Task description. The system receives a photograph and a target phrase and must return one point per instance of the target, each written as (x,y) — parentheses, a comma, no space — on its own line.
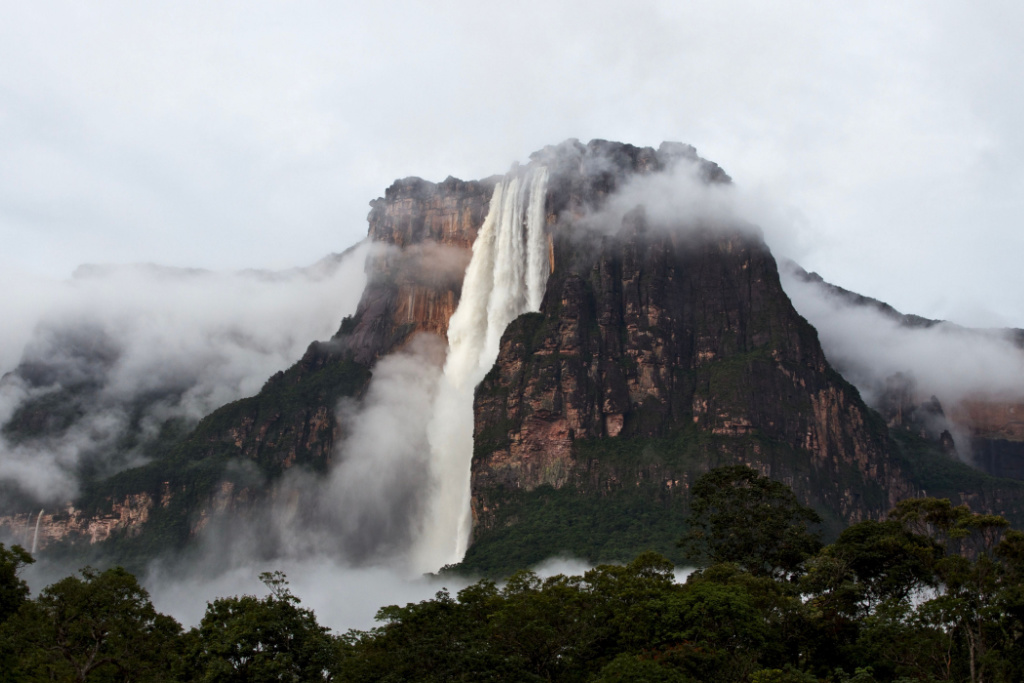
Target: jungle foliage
(934,592)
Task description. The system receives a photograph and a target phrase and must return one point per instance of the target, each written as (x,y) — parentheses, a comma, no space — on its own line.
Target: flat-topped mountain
(644,336)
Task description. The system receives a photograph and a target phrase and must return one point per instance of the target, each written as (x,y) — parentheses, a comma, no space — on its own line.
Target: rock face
(988,425)
(996,433)
(424,233)
(427,232)
(656,334)
(42,528)
(652,332)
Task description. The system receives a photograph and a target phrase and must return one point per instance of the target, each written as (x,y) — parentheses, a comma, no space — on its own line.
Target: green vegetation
(97,627)
(48,414)
(186,468)
(933,593)
(754,522)
(633,497)
(13,590)
(607,528)
(942,475)
(244,638)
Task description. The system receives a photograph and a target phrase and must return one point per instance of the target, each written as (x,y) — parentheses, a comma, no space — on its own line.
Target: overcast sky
(253,134)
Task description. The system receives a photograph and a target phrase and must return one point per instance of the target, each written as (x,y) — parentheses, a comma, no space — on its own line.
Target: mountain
(650,339)
(940,380)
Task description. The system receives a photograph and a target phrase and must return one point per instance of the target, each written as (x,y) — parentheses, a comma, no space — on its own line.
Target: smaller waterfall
(35,536)
(506,277)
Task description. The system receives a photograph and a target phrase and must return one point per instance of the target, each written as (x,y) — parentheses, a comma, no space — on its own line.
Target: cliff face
(423,233)
(662,350)
(996,433)
(980,423)
(42,528)
(427,232)
(649,334)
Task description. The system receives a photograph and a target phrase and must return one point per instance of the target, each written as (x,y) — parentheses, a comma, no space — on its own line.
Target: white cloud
(944,360)
(202,135)
(191,340)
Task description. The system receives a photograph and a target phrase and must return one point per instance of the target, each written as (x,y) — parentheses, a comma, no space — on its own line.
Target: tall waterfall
(506,277)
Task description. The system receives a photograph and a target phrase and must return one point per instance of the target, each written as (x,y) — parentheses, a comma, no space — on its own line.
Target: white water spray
(506,277)
(35,536)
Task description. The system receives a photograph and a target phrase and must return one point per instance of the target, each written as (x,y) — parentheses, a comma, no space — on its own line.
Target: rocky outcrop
(42,528)
(990,419)
(426,232)
(665,347)
(423,234)
(995,430)
(988,424)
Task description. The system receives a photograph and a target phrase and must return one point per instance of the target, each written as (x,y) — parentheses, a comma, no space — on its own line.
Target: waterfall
(506,277)
(35,536)
(537,264)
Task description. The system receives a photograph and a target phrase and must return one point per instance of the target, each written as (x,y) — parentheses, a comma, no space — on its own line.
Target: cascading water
(506,277)
(537,264)
(35,536)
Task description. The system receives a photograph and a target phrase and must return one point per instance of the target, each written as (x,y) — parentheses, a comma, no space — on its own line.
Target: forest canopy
(934,592)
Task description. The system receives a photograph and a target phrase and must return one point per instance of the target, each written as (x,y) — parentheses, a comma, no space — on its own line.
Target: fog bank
(117,351)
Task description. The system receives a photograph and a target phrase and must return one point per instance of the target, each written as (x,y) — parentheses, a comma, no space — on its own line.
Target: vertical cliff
(662,349)
(958,387)
(425,232)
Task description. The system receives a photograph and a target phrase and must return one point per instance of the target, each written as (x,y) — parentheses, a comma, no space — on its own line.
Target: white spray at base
(506,277)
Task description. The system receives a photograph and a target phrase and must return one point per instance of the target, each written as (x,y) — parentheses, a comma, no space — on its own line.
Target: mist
(97,364)
(692,197)
(872,345)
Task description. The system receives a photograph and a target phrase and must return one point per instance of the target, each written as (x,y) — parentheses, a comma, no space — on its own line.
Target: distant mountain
(927,376)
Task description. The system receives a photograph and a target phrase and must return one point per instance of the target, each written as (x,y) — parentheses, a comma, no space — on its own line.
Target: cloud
(118,351)
(869,344)
(370,505)
(692,197)
(343,597)
(423,263)
(198,135)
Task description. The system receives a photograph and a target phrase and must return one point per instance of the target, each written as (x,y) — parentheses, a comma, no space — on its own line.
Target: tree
(101,626)
(442,639)
(871,562)
(633,604)
(244,639)
(739,516)
(628,668)
(13,590)
(545,626)
(13,594)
